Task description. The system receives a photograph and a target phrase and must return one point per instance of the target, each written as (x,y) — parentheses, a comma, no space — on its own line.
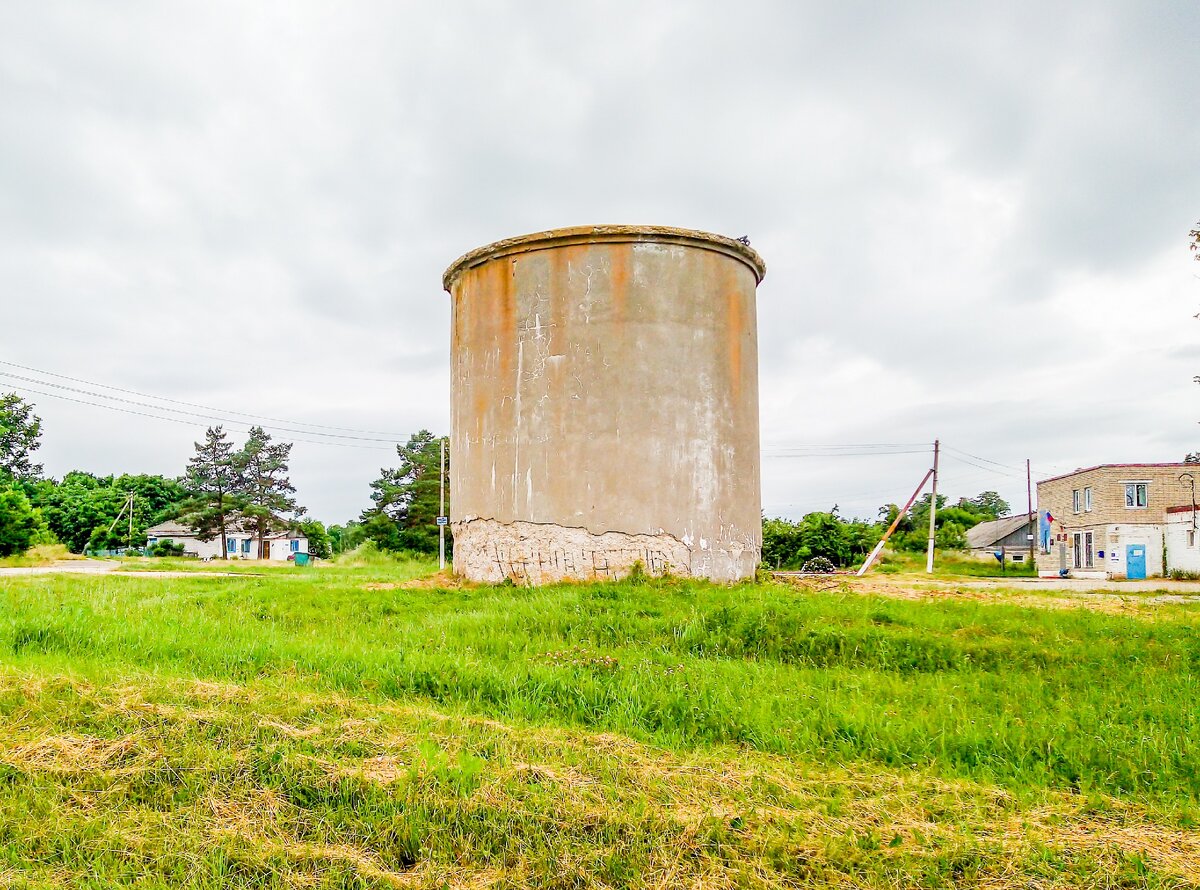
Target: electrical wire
(179,420)
(843,453)
(190,404)
(97,395)
(984,459)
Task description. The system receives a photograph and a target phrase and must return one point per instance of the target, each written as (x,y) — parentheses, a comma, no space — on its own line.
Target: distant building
(1008,533)
(241,544)
(1110,521)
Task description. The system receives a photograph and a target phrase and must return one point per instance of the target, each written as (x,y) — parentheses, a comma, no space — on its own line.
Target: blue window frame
(295,546)
(246,546)
(231,545)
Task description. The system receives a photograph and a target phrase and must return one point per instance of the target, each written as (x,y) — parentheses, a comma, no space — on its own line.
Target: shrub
(166,548)
(819,565)
(20,524)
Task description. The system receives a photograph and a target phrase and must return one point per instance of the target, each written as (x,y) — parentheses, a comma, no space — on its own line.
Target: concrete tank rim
(610,234)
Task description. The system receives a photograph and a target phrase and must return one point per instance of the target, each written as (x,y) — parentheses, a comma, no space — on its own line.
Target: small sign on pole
(443,520)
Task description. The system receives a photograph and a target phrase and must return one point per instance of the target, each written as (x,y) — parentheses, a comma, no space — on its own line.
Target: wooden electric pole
(932,510)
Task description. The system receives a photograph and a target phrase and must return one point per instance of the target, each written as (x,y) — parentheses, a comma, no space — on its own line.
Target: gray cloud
(973,218)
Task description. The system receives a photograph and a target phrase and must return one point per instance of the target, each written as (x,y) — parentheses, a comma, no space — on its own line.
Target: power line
(181,411)
(189,423)
(843,453)
(190,404)
(979,466)
(855,445)
(985,459)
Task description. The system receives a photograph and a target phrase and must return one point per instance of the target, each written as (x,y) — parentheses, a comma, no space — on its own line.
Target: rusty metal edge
(605,234)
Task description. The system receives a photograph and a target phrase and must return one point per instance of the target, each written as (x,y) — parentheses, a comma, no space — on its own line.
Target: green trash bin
(301,559)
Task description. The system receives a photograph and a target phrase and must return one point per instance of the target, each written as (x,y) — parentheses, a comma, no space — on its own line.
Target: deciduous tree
(20,431)
(20,523)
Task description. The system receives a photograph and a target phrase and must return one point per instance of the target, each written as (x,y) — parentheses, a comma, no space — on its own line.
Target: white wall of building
(243,546)
(1183,542)
(1121,536)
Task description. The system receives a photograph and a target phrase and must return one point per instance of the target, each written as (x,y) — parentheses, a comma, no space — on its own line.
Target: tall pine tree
(215,488)
(404,514)
(267,493)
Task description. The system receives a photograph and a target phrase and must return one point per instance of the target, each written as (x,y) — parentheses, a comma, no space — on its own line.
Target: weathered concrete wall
(605,402)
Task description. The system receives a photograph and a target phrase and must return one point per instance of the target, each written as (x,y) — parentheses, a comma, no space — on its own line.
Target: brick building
(1109,521)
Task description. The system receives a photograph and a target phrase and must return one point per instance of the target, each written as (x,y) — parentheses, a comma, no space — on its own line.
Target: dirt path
(1055,593)
(104,567)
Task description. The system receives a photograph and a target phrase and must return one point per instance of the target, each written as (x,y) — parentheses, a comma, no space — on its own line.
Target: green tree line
(789,544)
(221,485)
(225,484)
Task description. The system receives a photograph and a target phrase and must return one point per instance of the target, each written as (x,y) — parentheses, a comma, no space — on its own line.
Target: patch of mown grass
(1020,696)
(952,564)
(41,555)
(1020,706)
(134,780)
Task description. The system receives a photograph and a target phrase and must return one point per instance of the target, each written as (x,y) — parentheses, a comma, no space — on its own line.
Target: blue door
(1135,562)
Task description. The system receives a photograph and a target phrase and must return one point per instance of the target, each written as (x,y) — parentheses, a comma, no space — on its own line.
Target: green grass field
(348,726)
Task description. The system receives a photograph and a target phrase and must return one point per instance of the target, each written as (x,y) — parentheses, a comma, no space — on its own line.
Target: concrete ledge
(605,234)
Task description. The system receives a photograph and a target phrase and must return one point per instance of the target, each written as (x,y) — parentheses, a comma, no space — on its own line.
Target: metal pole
(131,520)
(1032,518)
(932,511)
(442,511)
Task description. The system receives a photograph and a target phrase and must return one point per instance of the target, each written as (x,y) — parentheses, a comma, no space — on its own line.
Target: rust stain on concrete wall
(605,384)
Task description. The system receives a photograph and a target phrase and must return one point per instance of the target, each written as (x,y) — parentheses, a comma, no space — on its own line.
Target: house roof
(171,528)
(1117,467)
(988,533)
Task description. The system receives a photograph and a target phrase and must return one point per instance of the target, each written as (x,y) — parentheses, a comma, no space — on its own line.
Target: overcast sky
(974,218)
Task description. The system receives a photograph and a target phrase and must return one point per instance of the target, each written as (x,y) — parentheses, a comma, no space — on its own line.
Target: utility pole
(442,511)
(128,505)
(900,514)
(1032,518)
(932,510)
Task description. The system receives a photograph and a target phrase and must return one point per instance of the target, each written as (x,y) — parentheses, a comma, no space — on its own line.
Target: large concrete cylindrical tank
(605,405)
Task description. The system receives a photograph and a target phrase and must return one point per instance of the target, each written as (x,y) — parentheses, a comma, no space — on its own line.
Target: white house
(241,544)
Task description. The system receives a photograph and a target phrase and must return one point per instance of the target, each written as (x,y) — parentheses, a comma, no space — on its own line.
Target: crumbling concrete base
(540,553)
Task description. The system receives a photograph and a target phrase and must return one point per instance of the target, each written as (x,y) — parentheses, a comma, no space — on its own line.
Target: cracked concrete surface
(540,553)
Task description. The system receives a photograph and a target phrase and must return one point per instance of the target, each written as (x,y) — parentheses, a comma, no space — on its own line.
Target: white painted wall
(1121,536)
(281,548)
(1179,554)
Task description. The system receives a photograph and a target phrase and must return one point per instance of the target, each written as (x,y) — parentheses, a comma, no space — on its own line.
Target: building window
(246,546)
(231,545)
(1191,537)
(1075,503)
(1083,556)
(1136,494)
(295,546)
(1018,557)
(1087,500)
